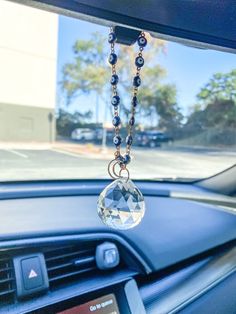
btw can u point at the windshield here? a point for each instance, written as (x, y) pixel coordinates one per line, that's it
(56, 112)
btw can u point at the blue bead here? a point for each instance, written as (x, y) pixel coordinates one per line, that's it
(129, 140)
(116, 121)
(112, 58)
(131, 121)
(127, 159)
(117, 140)
(137, 81)
(142, 41)
(120, 160)
(134, 101)
(139, 62)
(115, 101)
(114, 79)
(112, 38)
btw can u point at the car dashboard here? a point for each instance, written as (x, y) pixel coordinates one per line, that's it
(180, 258)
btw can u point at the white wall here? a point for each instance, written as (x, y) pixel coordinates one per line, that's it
(28, 55)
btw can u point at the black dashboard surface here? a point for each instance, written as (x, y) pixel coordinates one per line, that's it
(171, 231)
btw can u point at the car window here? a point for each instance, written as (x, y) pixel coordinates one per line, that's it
(55, 102)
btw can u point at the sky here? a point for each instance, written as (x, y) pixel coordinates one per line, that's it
(188, 68)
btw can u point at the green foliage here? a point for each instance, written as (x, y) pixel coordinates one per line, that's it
(215, 114)
(89, 72)
(66, 122)
(163, 100)
(217, 102)
(220, 114)
(220, 87)
(155, 98)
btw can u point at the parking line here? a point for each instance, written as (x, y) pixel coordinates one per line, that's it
(17, 153)
(61, 151)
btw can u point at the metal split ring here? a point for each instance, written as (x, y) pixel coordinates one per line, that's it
(112, 170)
(124, 169)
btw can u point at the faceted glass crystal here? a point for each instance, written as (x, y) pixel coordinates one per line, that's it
(121, 205)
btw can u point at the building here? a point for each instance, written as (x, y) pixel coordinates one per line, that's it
(28, 60)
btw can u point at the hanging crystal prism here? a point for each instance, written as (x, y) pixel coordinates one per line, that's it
(121, 205)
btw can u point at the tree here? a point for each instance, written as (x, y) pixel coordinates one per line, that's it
(66, 122)
(163, 101)
(222, 86)
(155, 98)
(217, 102)
(89, 73)
(215, 112)
(86, 73)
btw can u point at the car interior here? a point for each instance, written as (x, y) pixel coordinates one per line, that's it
(57, 256)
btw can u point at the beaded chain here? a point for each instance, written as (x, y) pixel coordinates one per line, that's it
(115, 101)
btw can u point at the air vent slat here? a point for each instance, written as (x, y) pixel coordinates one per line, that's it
(71, 274)
(77, 262)
(6, 280)
(7, 292)
(60, 266)
(71, 254)
(8, 268)
(85, 260)
(3, 259)
(66, 265)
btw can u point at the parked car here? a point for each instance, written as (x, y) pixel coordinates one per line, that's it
(152, 138)
(56, 255)
(83, 135)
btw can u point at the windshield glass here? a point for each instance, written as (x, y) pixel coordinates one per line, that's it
(56, 112)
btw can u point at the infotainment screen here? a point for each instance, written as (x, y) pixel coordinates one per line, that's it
(103, 305)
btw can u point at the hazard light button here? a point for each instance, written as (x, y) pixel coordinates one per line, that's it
(31, 274)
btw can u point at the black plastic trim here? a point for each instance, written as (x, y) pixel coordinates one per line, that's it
(75, 238)
(52, 188)
(110, 13)
(173, 293)
(62, 188)
(80, 289)
(23, 291)
(223, 182)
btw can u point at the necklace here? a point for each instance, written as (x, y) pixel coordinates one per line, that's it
(121, 204)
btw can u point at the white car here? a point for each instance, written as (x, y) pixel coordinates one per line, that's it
(82, 135)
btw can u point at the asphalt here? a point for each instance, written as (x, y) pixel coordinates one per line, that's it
(33, 164)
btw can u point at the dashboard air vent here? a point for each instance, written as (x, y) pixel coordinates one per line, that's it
(7, 280)
(66, 264)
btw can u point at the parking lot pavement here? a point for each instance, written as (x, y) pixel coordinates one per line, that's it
(55, 163)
